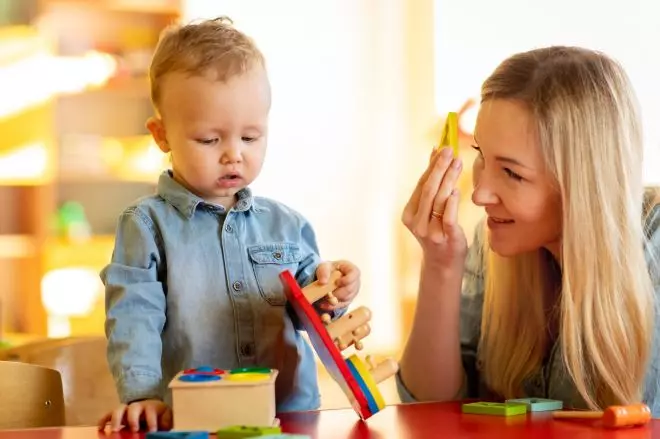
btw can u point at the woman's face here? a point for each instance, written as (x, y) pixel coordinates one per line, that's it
(511, 182)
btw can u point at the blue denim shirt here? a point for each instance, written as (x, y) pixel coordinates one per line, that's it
(553, 380)
(192, 284)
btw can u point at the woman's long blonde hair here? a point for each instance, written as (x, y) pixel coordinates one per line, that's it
(590, 135)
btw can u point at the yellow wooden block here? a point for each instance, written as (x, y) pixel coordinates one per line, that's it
(449, 136)
(365, 374)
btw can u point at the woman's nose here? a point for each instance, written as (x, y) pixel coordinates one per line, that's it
(483, 194)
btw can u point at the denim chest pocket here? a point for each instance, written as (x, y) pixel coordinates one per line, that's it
(268, 261)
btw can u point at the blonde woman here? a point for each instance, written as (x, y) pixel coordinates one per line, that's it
(557, 296)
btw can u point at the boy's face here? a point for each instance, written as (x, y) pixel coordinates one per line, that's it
(216, 131)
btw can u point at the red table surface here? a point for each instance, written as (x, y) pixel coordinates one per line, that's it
(428, 420)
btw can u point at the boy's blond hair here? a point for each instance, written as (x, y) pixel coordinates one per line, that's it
(199, 48)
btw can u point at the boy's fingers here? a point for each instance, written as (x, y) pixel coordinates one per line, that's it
(133, 415)
(344, 294)
(103, 422)
(323, 272)
(151, 416)
(348, 279)
(117, 418)
(166, 419)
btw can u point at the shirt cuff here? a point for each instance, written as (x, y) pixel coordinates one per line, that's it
(402, 390)
(137, 387)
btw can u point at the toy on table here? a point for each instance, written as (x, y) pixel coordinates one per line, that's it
(614, 416)
(209, 399)
(178, 435)
(449, 136)
(243, 431)
(358, 380)
(494, 408)
(538, 404)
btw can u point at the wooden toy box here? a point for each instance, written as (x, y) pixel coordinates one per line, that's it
(210, 399)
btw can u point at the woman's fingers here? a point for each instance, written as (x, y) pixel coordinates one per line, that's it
(447, 186)
(410, 210)
(450, 217)
(430, 188)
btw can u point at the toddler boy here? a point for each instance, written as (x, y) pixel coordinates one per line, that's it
(194, 273)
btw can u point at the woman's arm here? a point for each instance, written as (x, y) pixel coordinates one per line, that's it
(652, 249)
(439, 360)
(431, 366)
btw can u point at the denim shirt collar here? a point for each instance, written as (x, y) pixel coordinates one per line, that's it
(186, 202)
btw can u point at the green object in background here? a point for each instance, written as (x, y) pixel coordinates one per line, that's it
(71, 221)
(18, 12)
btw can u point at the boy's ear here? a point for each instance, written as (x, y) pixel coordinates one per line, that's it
(157, 130)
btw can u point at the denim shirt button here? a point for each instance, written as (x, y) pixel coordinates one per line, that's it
(229, 228)
(277, 255)
(237, 286)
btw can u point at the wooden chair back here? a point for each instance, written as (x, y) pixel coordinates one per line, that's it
(89, 389)
(31, 396)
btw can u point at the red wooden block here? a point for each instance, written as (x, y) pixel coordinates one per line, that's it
(330, 356)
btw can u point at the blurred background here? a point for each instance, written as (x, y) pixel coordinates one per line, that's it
(360, 88)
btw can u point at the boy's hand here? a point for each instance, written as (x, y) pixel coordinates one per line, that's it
(348, 284)
(152, 412)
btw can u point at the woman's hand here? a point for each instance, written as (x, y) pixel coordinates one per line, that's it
(431, 214)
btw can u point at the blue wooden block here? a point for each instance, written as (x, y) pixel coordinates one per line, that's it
(178, 435)
(539, 404)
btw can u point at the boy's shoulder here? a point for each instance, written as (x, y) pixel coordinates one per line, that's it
(147, 207)
(276, 208)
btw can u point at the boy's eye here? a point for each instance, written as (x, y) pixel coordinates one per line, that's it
(207, 141)
(248, 139)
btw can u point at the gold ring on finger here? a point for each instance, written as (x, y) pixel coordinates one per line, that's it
(437, 215)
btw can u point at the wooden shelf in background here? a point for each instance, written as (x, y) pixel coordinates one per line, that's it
(62, 253)
(166, 8)
(16, 246)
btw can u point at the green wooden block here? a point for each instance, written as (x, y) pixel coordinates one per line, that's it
(495, 408)
(246, 431)
(284, 436)
(538, 404)
(178, 435)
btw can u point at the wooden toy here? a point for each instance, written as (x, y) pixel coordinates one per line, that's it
(283, 436)
(246, 431)
(178, 435)
(495, 408)
(449, 136)
(538, 404)
(359, 381)
(209, 399)
(614, 416)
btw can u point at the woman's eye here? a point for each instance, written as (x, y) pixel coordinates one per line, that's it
(207, 141)
(248, 139)
(512, 174)
(476, 148)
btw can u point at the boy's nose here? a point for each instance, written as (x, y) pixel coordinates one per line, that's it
(230, 155)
